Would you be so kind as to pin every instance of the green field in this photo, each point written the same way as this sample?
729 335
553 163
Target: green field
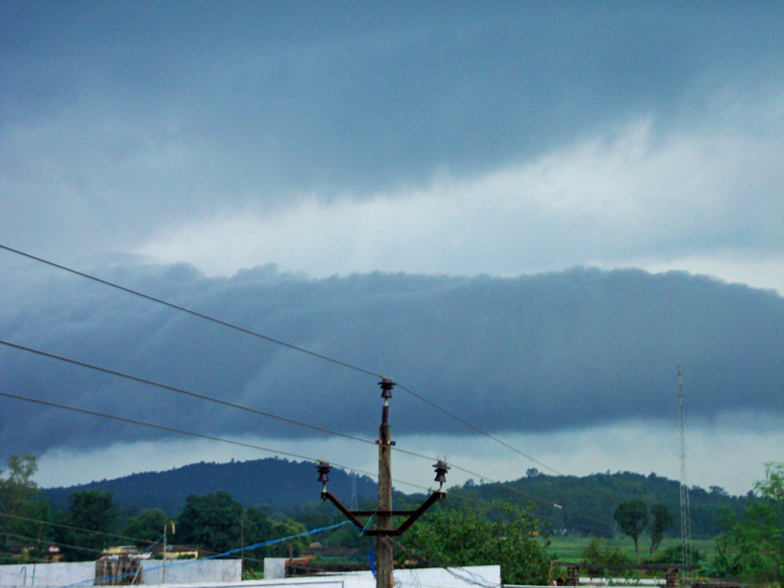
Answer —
571 548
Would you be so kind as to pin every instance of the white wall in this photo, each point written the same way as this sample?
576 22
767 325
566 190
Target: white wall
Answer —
59 575
468 577
227 574
192 571
50 574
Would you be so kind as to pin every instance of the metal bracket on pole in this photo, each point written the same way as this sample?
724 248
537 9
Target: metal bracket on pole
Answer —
412 515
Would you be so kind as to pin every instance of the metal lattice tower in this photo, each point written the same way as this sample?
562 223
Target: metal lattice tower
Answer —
685 513
354 504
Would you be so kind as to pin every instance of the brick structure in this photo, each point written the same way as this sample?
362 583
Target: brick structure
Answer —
671 572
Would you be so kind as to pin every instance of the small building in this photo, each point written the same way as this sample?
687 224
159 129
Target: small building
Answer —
120 550
178 551
53 554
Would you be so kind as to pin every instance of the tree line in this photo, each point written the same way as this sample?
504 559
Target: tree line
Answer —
91 521
589 502
464 530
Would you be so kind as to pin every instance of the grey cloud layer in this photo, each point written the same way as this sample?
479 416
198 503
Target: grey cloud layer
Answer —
547 352
119 119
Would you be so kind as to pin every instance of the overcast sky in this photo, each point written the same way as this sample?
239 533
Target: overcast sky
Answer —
473 153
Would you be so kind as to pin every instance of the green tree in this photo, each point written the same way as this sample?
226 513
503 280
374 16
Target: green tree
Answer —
257 529
22 517
662 520
146 528
505 534
17 487
212 521
598 553
674 554
87 525
753 544
632 518
295 547
17 492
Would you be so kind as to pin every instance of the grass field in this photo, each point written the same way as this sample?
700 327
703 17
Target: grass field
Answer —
571 548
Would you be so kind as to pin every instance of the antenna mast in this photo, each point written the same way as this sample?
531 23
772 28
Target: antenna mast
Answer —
354 504
685 514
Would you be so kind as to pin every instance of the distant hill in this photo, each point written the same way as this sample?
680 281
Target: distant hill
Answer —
586 503
278 483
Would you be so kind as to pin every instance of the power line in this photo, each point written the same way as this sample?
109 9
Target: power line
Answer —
232 405
194 434
306 458
261 413
72 528
185 392
478 430
506 486
193 312
57 543
280 452
94 532
277 342
209 398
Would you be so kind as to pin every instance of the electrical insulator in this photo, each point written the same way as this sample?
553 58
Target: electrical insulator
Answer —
441 470
386 388
323 468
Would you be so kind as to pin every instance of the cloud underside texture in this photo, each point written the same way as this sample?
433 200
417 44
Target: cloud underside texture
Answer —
121 121
574 349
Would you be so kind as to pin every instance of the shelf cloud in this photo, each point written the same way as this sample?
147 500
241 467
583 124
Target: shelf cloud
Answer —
549 352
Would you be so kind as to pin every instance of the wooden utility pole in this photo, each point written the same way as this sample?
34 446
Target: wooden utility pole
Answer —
383 544
384 515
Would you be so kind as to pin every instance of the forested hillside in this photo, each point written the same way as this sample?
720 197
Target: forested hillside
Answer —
586 503
278 483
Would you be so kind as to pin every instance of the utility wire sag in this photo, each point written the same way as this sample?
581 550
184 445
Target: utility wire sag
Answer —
281 343
185 392
194 434
192 312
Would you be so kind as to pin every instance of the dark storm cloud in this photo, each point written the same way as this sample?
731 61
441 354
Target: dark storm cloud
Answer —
138 115
563 350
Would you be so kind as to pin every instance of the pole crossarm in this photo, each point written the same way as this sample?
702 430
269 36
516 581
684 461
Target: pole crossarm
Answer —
412 515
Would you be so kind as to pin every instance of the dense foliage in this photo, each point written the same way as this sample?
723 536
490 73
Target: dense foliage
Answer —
504 534
212 520
145 528
279 483
88 526
589 502
219 523
632 518
661 521
460 531
599 553
19 512
753 544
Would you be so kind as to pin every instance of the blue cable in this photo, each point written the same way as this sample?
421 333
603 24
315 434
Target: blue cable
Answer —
193 561
372 559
